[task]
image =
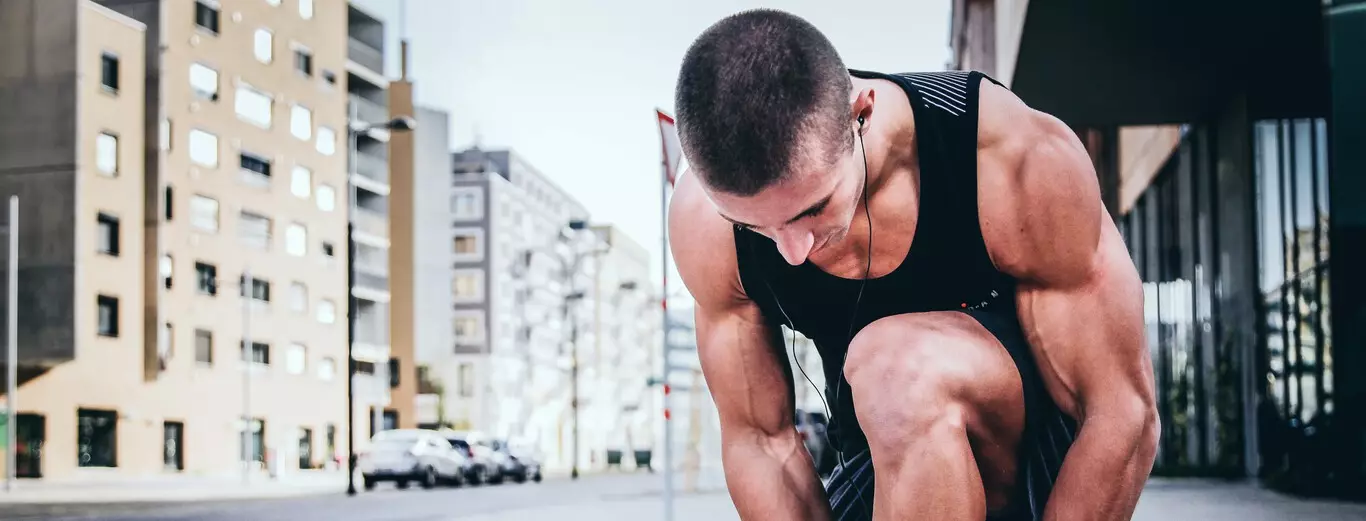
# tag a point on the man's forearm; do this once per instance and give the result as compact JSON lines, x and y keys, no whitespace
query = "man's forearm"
{"x":774,"y":480}
{"x":1105,"y":470}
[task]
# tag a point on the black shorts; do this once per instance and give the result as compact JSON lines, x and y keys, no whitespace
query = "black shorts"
{"x":1047,"y":436}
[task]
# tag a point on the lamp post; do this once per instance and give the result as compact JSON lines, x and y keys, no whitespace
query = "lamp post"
{"x":353,"y":131}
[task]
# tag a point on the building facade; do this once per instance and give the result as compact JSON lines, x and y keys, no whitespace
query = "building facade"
{"x":1220,"y":182}
{"x":433,"y":261}
{"x":180,"y":234}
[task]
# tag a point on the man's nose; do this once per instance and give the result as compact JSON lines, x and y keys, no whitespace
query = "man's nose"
{"x":795,"y":245}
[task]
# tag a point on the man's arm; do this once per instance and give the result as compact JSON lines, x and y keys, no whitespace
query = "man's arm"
{"x":768,"y":471}
{"x":1080,"y":302}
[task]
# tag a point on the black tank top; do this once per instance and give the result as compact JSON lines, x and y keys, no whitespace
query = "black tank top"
{"x":947,"y":267}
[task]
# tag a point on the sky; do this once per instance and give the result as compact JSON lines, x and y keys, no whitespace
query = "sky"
{"x":572,"y":86}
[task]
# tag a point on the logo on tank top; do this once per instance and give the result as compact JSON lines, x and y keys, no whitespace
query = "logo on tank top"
{"x":983,"y":304}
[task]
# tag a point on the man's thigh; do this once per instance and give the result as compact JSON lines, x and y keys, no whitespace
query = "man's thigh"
{"x":905,"y":367}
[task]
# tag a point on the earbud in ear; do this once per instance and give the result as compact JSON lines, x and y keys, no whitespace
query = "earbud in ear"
{"x":860,"y":121}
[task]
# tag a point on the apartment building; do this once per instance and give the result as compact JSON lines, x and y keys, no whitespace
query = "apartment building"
{"x":433,"y":258}
{"x":369,"y":189}
{"x":1220,"y":181}
{"x":180,"y":166}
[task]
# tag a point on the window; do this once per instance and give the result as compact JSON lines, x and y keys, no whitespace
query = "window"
{"x":255,"y":169}
{"x":305,"y":448}
{"x":109,"y":72}
{"x":466,"y":244}
{"x":206,"y":276}
{"x":167,"y":271}
{"x":306,"y":9}
{"x":164,"y":140}
{"x":206,"y":15}
{"x":256,"y":450}
{"x":296,"y":358}
{"x":301,"y":124}
{"x":254,"y":230}
{"x":273,"y":3}
{"x":327,"y":141}
{"x":108,"y":316}
{"x":327,"y":369}
{"x":468,"y":329}
{"x":328,"y":250}
{"x":107,"y":234}
{"x":303,"y":61}
{"x":301,"y":182}
{"x":327,"y":312}
{"x":393,"y":373}
{"x":466,"y":380}
{"x":329,"y":77}
{"x":253,"y":106}
{"x":204,"y":148}
{"x":326,"y":197}
{"x":168,"y":206}
{"x":296,"y":240}
{"x":467,"y":204}
{"x":262,"y":46}
{"x":165,"y":346}
{"x":298,"y":297}
{"x":260,"y":288}
{"x":107,"y":154}
{"x":96,"y":438}
{"x":203,"y":347}
{"x":466,"y":287}
{"x":260,"y":353}
{"x":204,"y":213}
{"x":204,"y":81}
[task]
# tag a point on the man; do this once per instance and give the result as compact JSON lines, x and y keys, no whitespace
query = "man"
{"x":945,"y":246}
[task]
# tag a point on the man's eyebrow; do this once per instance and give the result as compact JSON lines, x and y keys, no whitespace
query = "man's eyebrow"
{"x":811,"y":210}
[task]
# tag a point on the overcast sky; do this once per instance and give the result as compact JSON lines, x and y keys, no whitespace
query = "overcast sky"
{"x":572,"y":85}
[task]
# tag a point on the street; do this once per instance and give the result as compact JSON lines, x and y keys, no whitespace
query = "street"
{"x":630,"y":496}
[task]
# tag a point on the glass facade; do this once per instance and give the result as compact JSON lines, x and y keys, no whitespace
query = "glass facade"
{"x":1211,"y":359}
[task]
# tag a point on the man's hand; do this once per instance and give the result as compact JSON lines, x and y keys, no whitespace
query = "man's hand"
{"x":1080,"y":302}
{"x":768,"y":470}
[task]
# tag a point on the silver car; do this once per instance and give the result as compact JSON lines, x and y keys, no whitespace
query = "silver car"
{"x":407,"y":455}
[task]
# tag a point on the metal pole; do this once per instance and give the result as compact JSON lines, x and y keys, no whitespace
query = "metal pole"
{"x":574,"y":383}
{"x":248,"y":355}
{"x":664,"y":347}
{"x":382,"y":387}
{"x":351,"y":144}
{"x":12,"y":359}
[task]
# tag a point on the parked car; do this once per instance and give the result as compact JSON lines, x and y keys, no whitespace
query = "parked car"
{"x":530,"y":460}
{"x":812,"y":427}
{"x":481,"y":467}
{"x":516,"y":465}
{"x":407,"y":455}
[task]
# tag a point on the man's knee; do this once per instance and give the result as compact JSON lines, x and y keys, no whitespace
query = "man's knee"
{"x":906,"y":381}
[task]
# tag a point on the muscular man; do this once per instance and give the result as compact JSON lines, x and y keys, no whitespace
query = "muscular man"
{"x":946,"y":248}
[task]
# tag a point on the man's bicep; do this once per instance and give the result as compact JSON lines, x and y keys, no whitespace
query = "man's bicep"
{"x":750,"y":383}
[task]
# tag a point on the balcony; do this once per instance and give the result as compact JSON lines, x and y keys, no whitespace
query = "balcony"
{"x":367,"y":56}
{"x":371,"y":222}
{"x":373,"y":167}
{"x":371,"y":281}
{"x":367,"y":111}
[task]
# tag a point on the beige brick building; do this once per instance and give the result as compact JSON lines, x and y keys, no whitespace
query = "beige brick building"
{"x":161,"y":152}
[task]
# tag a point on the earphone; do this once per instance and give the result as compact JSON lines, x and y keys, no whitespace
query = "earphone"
{"x":839,"y":383}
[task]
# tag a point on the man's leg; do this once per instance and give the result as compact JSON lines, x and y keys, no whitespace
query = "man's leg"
{"x":942,"y":406}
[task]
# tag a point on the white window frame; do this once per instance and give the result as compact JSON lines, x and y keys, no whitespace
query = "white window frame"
{"x":480,"y":244}
{"x":199,"y":222}
{"x":297,"y":297}
{"x":296,"y":352}
{"x":301,"y":182}
{"x":327,"y":369}
{"x":326,"y":197}
{"x":301,"y":122}
{"x":103,"y":142}
{"x":329,"y":317}
{"x":326,"y":141}
{"x":264,"y":36}
{"x":197,"y":141}
{"x":481,"y":326}
{"x":247,"y":93}
{"x":306,"y":9}
{"x":165,"y":137}
{"x":296,"y":239}
{"x":252,"y":241}
{"x":479,"y":283}
{"x":203,"y":77}
{"x":477,"y":213}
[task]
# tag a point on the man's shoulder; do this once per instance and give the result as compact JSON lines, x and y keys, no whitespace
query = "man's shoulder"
{"x":702,"y":243}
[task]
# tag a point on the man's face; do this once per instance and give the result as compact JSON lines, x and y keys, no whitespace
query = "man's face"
{"x":810,"y":209}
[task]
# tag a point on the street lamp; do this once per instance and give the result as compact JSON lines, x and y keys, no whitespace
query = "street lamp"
{"x":353,"y":131}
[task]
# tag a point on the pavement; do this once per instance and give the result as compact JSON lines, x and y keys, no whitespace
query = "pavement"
{"x":610,"y":496}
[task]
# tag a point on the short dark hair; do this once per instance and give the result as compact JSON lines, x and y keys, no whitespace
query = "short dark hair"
{"x":750,"y":87}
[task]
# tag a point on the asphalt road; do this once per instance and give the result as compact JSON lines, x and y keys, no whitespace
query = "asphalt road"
{"x":384,"y":504}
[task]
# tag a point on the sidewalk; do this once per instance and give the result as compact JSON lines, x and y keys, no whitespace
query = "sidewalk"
{"x":112,"y":488}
